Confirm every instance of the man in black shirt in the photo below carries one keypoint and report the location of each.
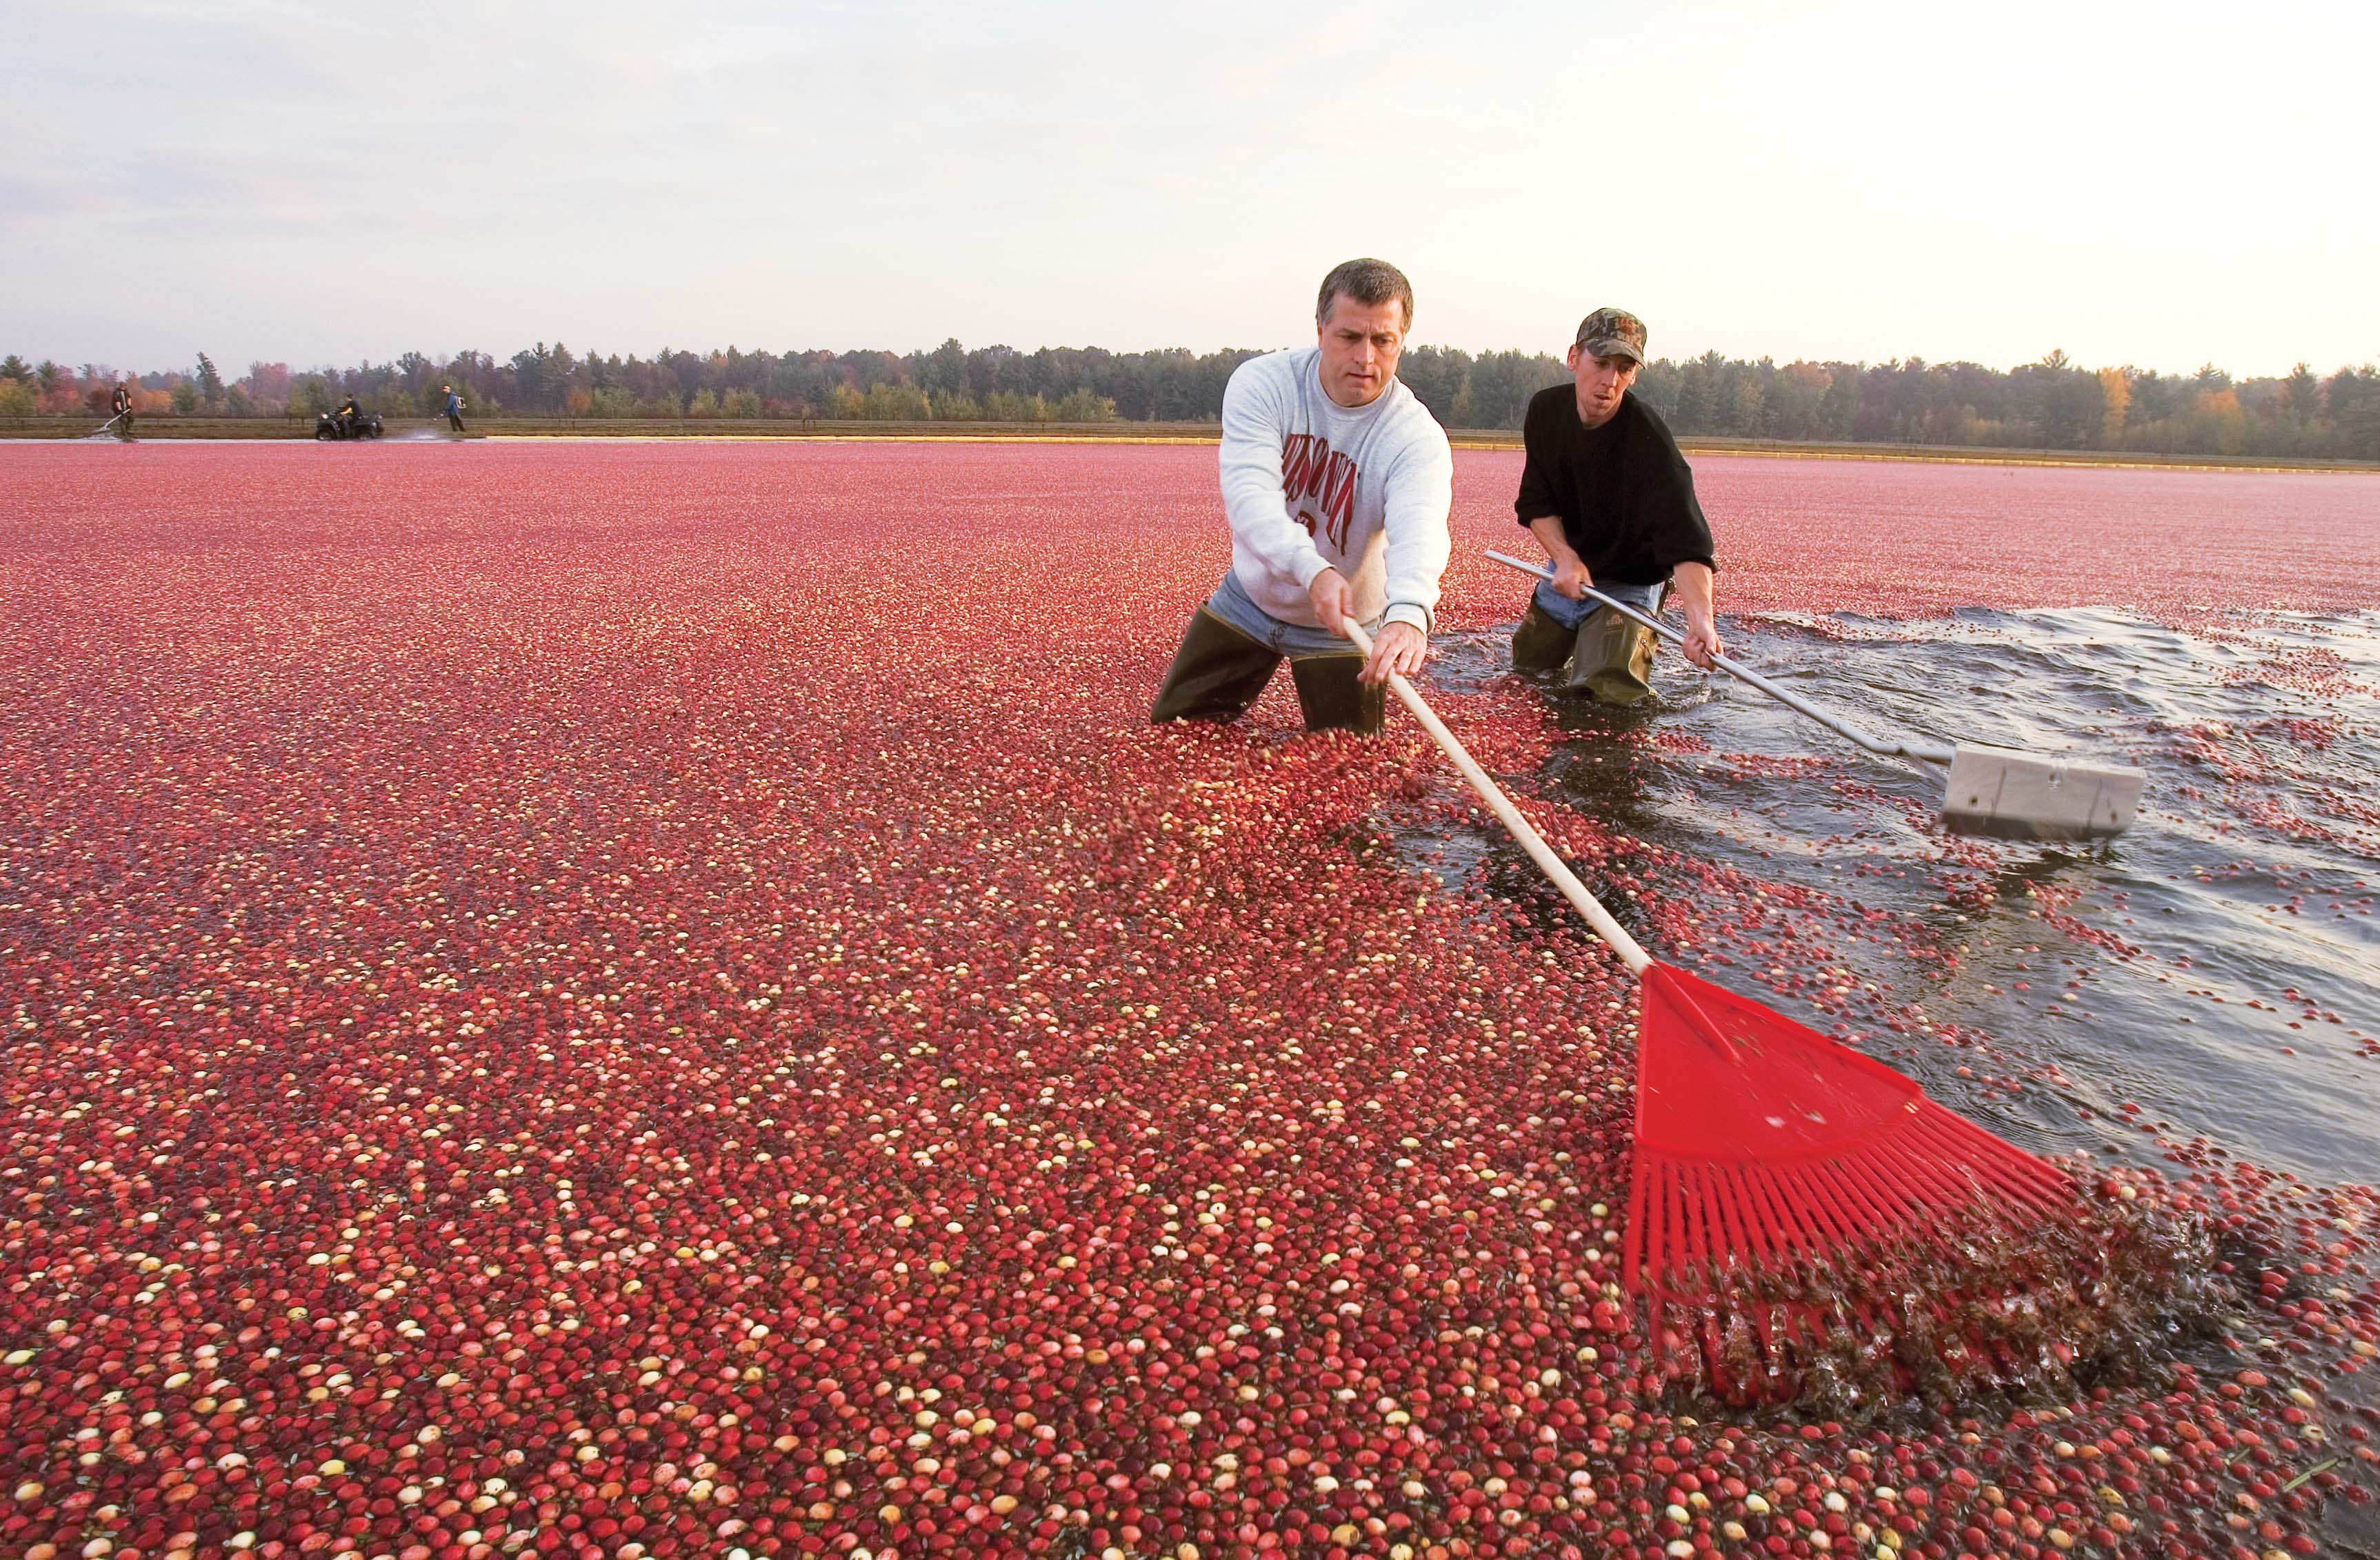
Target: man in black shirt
(1604, 490)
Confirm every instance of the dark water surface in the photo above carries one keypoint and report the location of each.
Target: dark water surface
(2214, 967)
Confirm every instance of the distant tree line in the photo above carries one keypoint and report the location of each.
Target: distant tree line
(2052, 404)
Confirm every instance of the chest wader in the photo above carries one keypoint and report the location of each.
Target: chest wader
(1607, 657)
(1218, 671)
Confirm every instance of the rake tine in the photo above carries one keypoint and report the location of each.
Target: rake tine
(1632, 1248)
(1920, 1183)
(2034, 1184)
(1749, 1213)
(1845, 1203)
(1908, 1181)
(1679, 1257)
(1656, 1233)
(1795, 1232)
(1798, 1235)
(1814, 1200)
(1657, 1183)
(1701, 1247)
(1970, 1173)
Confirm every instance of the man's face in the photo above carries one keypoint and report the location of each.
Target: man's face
(1601, 382)
(1360, 343)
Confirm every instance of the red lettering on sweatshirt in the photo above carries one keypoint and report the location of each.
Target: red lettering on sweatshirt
(1319, 483)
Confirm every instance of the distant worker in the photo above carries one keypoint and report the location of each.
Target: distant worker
(1604, 490)
(1336, 482)
(121, 403)
(453, 409)
(349, 415)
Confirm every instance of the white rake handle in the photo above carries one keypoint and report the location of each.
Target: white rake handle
(1611, 930)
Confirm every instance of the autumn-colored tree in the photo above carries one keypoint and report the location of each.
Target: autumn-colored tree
(2114, 398)
(2218, 422)
(268, 385)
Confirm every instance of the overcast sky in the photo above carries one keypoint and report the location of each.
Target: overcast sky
(2158, 184)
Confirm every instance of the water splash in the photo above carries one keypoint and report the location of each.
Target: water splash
(1989, 1313)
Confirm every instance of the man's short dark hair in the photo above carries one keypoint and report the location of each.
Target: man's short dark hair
(1366, 281)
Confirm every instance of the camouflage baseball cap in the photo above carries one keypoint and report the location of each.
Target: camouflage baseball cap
(1612, 332)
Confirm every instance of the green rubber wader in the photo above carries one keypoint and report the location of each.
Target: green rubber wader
(1333, 698)
(1612, 662)
(1540, 644)
(1607, 657)
(1219, 672)
(1216, 673)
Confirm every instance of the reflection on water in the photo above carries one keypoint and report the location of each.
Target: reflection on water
(2207, 973)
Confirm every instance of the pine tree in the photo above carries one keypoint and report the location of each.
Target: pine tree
(2305, 392)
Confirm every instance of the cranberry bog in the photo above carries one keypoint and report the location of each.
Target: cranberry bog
(664, 1000)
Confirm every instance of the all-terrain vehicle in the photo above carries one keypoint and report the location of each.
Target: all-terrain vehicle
(363, 425)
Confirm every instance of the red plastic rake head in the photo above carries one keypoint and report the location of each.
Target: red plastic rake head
(1762, 1144)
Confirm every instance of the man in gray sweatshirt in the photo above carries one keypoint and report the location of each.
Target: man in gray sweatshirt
(1337, 482)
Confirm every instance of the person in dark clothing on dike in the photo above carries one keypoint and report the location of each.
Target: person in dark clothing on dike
(453, 409)
(1606, 493)
(121, 402)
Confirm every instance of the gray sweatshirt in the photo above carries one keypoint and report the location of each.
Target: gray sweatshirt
(1309, 484)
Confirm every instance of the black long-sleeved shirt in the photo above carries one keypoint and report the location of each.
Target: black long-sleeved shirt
(1624, 494)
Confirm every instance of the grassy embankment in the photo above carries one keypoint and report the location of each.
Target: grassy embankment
(830, 431)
